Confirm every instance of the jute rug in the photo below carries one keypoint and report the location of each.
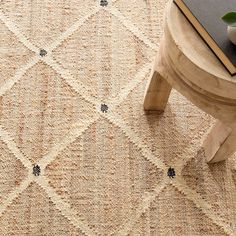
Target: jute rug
(78, 154)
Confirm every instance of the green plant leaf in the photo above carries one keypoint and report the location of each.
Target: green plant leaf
(230, 18)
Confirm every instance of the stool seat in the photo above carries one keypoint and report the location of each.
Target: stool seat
(194, 54)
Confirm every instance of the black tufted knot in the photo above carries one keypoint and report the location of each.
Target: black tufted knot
(36, 170)
(42, 52)
(171, 172)
(104, 108)
(103, 3)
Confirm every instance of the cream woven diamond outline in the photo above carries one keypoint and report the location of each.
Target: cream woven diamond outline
(81, 90)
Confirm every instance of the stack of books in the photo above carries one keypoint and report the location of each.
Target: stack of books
(205, 16)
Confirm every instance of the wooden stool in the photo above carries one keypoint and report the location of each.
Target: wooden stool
(185, 63)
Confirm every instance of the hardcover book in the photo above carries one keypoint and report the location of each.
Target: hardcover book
(205, 16)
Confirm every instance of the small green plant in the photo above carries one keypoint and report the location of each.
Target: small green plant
(230, 19)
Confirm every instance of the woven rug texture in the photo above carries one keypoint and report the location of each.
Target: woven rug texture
(78, 155)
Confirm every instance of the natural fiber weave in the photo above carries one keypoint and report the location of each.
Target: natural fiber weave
(78, 155)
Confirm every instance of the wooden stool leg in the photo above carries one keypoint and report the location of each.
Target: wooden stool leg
(157, 93)
(220, 143)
